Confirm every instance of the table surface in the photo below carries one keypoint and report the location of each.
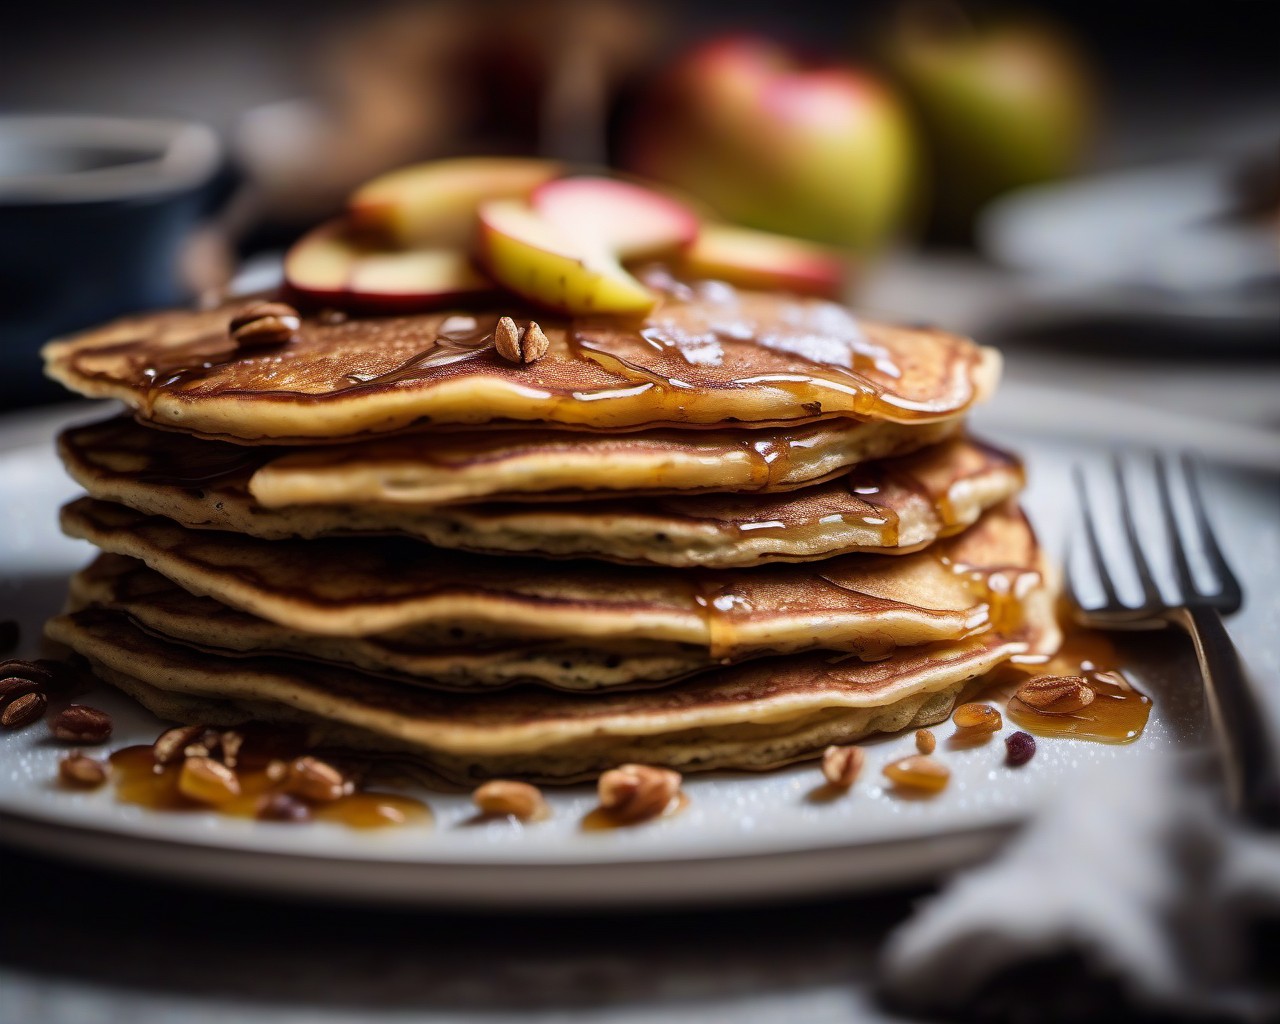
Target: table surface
(79, 945)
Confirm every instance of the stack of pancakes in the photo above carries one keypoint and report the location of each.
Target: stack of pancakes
(730, 534)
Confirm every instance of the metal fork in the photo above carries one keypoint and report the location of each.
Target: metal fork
(1240, 724)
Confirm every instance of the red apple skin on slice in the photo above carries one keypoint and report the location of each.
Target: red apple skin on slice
(435, 203)
(631, 221)
(765, 261)
(331, 266)
(568, 270)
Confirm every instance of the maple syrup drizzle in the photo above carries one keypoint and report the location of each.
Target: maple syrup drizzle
(1119, 711)
(699, 328)
(139, 781)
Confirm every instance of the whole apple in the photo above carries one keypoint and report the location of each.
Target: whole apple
(999, 106)
(820, 152)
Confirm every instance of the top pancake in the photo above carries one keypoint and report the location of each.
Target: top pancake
(708, 355)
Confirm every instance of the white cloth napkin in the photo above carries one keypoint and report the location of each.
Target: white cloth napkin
(1141, 875)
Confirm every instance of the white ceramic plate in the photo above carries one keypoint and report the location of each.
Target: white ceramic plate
(743, 835)
(1154, 245)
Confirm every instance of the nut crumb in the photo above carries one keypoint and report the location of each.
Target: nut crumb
(637, 792)
(81, 772)
(926, 742)
(918, 772)
(170, 744)
(517, 799)
(316, 780)
(841, 765)
(976, 719)
(80, 723)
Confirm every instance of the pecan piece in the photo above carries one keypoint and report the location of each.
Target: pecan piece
(79, 723)
(81, 772)
(637, 792)
(517, 799)
(841, 765)
(16, 686)
(208, 781)
(1056, 695)
(170, 744)
(265, 323)
(519, 345)
(23, 710)
(313, 779)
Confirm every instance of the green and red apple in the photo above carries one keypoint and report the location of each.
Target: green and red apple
(820, 152)
(999, 107)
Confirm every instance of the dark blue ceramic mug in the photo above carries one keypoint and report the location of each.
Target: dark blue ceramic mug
(94, 212)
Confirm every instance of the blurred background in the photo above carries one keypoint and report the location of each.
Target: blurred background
(1094, 187)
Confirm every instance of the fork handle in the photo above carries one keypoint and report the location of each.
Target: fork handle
(1249, 760)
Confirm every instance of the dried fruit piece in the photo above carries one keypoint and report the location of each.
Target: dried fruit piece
(313, 779)
(80, 723)
(926, 742)
(171, 743)
(518, 345)
(1056, 695)
(265, 323)
(517, 799)
(283, 807)
(81, 772)
(637, 792)
(841, 765)
(918, 772)
(207, 781)
(975, 719)
(1020, 747)
(23, 710)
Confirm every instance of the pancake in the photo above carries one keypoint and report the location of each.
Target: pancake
(525, 464)
(891, 507)
(708, 355)
(161, 607)
(367, 586)
(759, 715)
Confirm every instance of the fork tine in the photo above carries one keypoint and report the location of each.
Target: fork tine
(1150, 592)
(1186, 581)
(1091, 537)
(1230, 596)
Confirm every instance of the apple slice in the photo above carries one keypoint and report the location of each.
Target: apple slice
(564, 247)
(333, 265)
(760, 259)
(634, 222)
(436, 202)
